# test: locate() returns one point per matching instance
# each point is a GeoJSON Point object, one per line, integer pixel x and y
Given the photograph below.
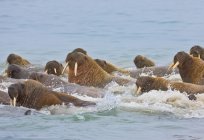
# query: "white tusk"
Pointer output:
{"type": "Point", "coordinates": [170, 66]}
{"type": "Point", "coordinates": [11, 102]}
{"type": "Point", "coordinates": [75, 68]}
{"type": "Point", "coordinates": [65, 67]}
{"type": "Point", "coordinates": [46, 71]}
{"type": "Point", "coordinates": [55, 70]}
{"type": "Point", "coordinates": [14, 101]}
{"type": "Point", "coordinates": [138, 90]}
{"type": "Point", "coordinates": [173, 66]}
{"type": "Point", "coordinates": [199, 56]}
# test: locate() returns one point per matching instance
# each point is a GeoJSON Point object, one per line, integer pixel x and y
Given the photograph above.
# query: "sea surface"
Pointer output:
{"type": "Point", "coordinates": [116, 31]}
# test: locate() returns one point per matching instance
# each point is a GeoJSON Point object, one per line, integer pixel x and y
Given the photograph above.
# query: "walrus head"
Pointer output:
{"type": "Point", "coordinates": [15, 71]}
{"type": "Point", "coordinates": [180, 59]}
{"type": "Point", "coordinates": [83, 70]}
{"type": "Point", "coordinates": [147, 83]}
{"type": "Point", "coordinates": [80, 50]}
{"type": "Point", "coordinates": [141, 62]}
{"type": "Point", "coordinates": [16, 59]}
{"type": "Point", "coordinates": [15, 91]}
{"type": "Point", "coordinates": [53, 67]}
{"type": "Point", "coordinates": [197, 51]}
{"type": "Point", "coordinates": [109, 68]}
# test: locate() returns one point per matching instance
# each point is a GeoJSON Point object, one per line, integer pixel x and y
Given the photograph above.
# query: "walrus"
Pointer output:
{"type": "Point", "coordinates": [4, 98]}
{"type": "Point", "coordinates": [17, 72]}
{"type": "Point", "coordinates": [32, 94]}
{"type": "Point", "coordinates": [190, 68]}
{"type": "Point", "coordinates": [54, 67]}
{"type": "Point", "coordinates": [108, 67]}
{"type": "Point", "coordinates": [147, 83]}
{"type": "Point", "coordinates": [16, 59]}
{"type": "Point", "coordinates": [52, 81]}
{"type": "Point", "coordinates": [80, 50]}
{"type": "Point", "coordinates": [197, 51]}
{"type": "Point", "coordinates": [156, 71]}
{"type": "Point", "coordinates": [141, 62]}
{"type": "Point", "coordinates": [83, 70]}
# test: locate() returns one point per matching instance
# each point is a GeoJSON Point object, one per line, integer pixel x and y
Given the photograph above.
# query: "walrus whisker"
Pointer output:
{"type": "Point", "coordinates": [75, 68]}
{"type": "Point", "coordinates": [138, 90]}
{"type": "Point", "coordinates": [65, 67]}
{"type": "Point", "coordinates": [55, 70]}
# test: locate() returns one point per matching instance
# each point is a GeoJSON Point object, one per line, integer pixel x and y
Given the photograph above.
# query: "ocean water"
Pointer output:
{"type": "Point", "coordinates": [117, 31]}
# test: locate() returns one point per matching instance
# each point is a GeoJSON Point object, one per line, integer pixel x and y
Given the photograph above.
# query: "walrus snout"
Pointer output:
{"type": "Point", "coordinates": [13, 94]}
{"type": "Point", "coordinates": [197, 51]}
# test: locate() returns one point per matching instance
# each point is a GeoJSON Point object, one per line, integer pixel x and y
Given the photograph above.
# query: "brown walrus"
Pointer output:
{"type": "Point", "coordinates": [83, 70]}
{"type": "Point", "coordinates": [80, 50]}
{"type": "Point", "coordinates": [17, 72]}
{"type": "Point", "coordinates": [53, 81]}
{"type": "Point", "coordinates": [190, 68]}
{"type": "Point", "coordinates": [18, 60]}
{"type": "Point", "coordinates": [197, 51]}
{"type": "Point", "coordinates": [141, 62]}
{"type": "Point", "coordinates": [147, 83]}
{"type": "Point", "coordinates": [54, 67]}
{"type": "Point", "coordinates": [108, 67]}
{"type": "Point", "coordinates": [32, 94]}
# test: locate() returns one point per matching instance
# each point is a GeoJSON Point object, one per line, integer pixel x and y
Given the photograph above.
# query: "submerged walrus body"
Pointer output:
{"type": "Point", "coordinates": [156, 71]}
{"type": "Point", "coordinates": [146, 83]}
{"type": "Point", "coordinates": [141, 62]}
{"type": "Point", "coordinates": [32, 94]}
{"type": "Point", "coordinates": [53, 81]}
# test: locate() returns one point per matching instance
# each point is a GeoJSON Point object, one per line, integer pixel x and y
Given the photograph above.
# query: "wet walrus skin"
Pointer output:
{"type": "Point", "coordinates": [197, 51]}
{"type": "Point", "coordinates": [83, 70]}
{"type": "Point", "coordinates": [18, 60]}
{"type": "Point", "coordinates": [32, 94]}
{"type": "Point", "coordinates": [156, 71]}
{"type": "Point", "coordinates": [17, 72]}
{"type": "Point", "coordinates": [141, 62]}
{"type": "Point", "coordinates": [53, 81]}
{"type": "Point", "coordinates": [147, 83]}
{"type": "Point", "coordinates": [191, 69]}
{"type": "Point", "coordinates": [4, 98]}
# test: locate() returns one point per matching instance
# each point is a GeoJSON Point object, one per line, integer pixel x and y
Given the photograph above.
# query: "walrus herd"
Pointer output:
{"type": "Point", "coordinates": [88, 76]}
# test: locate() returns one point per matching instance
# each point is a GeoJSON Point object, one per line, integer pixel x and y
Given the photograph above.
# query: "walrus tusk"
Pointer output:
{"type": "Point", "coordinates": [46, 71]}
{"type": "Point", "coordinates": [65, 67]}
{"type": "Point", "coordinates": [75, 68]}
{"type": "Point", "coordinates": [14, 101]}
{"type": "Point", "coordinates": [199, 56]}
{"type": "Point", "coordinates": [55, 70]}
{"type": "Point", "coordinates": [138, 90]}
{"type": "Point", "coordinates": [173, 66]}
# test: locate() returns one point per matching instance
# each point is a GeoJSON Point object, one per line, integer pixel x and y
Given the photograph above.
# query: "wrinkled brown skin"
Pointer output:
{"type": "Point", "coordinates": [197, 50]}
{"type": "Point", "coordinates": [32, 94]}
{"type": "Point", "coordinates": [157, 83]}
{"type": "Point", "coordinates": [51, 65]}
{"type": "Point", "coordinates": [89, 73]}
{"type": "Point", "coordinates": [53, 81]}
{"type": "Point", "coordinates": [18, 60]}
{"type": "Point", "coordinates": [159, 71]}
{"type": "Point", "coordinates": [108, 67]}
{"type": "Point", "coordinates": [141, 62]}
{"type": "Point", "coordinates": [190, 68]}
{"type": "Point", "coordinates": [4, 98]}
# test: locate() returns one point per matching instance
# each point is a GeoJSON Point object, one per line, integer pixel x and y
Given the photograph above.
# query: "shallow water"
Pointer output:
{"type": "Point", "coordinates": [116, 31]}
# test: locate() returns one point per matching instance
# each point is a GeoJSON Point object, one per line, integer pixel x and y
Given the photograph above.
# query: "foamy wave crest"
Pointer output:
{"type": "Point", "coordinates": [169, 101]}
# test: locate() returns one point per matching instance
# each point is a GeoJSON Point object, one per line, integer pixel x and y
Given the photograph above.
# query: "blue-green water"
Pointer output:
{"type": "Point", "coordinates": [117, 31]}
